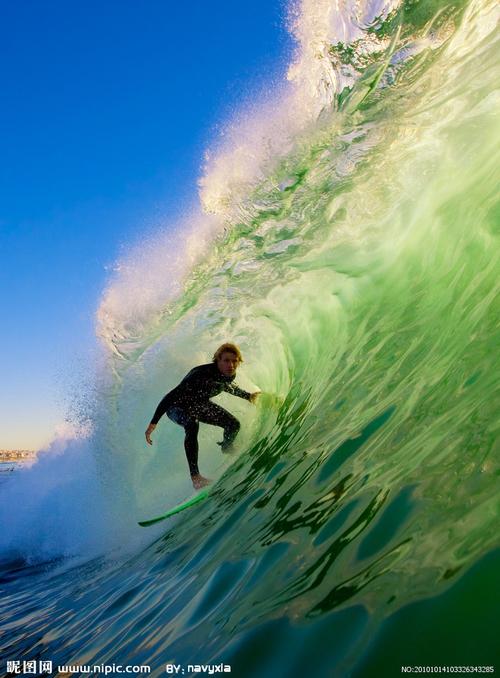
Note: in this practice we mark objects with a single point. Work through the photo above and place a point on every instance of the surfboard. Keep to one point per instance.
(177, 509)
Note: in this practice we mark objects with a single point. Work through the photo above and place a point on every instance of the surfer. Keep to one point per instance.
(189, 403)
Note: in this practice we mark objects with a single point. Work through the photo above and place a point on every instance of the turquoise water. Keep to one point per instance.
(354, 258)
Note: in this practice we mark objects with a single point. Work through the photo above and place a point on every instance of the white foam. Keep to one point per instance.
(149, 276)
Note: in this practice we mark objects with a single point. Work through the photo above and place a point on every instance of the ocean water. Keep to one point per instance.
(348, 242)
(6, 467)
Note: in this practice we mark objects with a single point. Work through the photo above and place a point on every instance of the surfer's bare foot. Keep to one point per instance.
(199, 482)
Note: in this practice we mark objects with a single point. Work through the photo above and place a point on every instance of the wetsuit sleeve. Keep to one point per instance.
(160, 411)
(233, 389)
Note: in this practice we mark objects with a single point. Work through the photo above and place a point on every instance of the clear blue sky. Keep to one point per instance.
(106, 110)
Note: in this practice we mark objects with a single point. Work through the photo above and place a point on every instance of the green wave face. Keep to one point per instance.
(359, 275)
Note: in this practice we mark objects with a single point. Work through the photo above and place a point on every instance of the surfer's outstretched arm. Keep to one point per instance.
(235, 390)
(160, 410)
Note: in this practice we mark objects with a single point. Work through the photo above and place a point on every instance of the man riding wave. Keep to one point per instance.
(189, 403)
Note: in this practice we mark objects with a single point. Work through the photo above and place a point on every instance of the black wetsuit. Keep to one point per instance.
(189, 403)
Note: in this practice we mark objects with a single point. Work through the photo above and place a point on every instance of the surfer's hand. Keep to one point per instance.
(253, 396)
(149, 431)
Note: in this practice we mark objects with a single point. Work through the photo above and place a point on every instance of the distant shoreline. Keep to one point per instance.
(17, 455)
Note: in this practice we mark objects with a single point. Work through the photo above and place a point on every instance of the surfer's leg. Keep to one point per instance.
(191, 427)
(210, 413)
(191, 447)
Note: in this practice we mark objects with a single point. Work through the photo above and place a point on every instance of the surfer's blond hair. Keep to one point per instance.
(228, 348)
